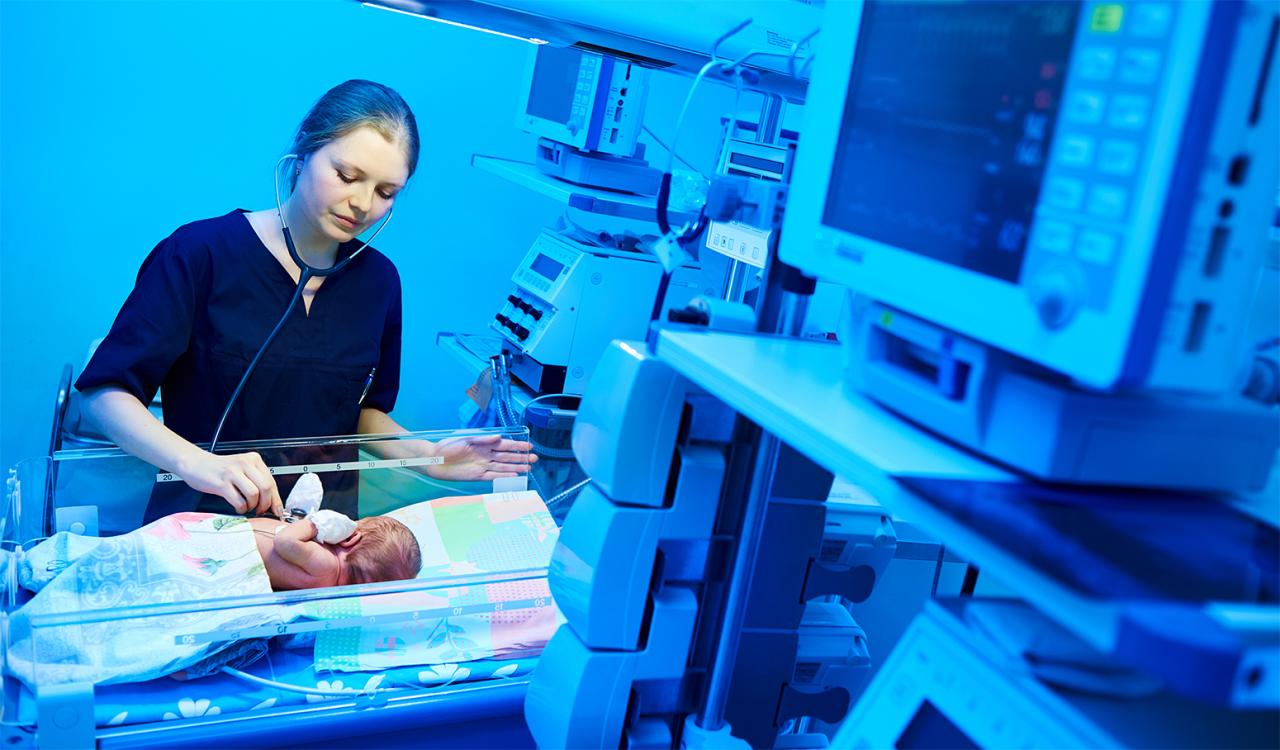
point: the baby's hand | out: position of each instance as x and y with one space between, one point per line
332 527
306 495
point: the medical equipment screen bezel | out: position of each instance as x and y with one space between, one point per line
1000 313
582 128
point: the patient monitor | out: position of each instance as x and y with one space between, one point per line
590 101
1053 215
588 109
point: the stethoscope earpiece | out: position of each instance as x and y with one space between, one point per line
308 270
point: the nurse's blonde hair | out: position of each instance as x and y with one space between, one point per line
351 105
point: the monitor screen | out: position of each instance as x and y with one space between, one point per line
947 126
555 82
930 729
546 267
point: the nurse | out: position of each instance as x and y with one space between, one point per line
209 294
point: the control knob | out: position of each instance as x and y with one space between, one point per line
1057 291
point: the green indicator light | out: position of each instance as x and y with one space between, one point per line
1106 19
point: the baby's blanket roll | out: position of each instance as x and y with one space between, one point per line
186 557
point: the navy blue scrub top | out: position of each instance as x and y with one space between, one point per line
206 298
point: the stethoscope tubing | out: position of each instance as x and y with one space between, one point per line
306 273
288 236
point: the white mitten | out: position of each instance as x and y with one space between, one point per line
331 526
305 496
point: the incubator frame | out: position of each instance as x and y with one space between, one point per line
447 695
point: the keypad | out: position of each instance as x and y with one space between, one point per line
1118 157
1085 107
1064 192
1107 202
1129 112
1140 66
1150 20
1098 248
1109 104
1096 63
1075 150
1054 236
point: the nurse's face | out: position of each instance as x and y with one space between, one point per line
350 183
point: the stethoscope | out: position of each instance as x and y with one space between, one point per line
306 272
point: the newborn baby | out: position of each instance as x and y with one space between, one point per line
319 548
325 548
378 549
183 557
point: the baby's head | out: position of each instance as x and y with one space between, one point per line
386 551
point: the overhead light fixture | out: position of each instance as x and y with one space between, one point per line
530 39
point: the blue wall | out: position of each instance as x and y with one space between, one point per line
122 121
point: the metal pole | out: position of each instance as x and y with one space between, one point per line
770 125
794 309
735 281
711 715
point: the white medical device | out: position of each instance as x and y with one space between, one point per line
584 99
951 683
1061 257
570 300
832 648
588 110
763 161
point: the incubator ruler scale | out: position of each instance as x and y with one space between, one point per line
385 463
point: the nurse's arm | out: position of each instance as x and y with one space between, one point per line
242 480
472 458
377 422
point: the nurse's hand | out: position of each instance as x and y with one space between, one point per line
241 479
482 458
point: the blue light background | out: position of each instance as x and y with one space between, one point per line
124 120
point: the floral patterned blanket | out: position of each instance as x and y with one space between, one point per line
186 557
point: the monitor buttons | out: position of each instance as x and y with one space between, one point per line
1118 157
1096 248
1150 20
1106 18
1129 112
1139 66
1064 193
1085 107
1096 63
1053 236
1075 150
1108 202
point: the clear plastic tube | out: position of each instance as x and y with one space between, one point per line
562 495
311 691
506 412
